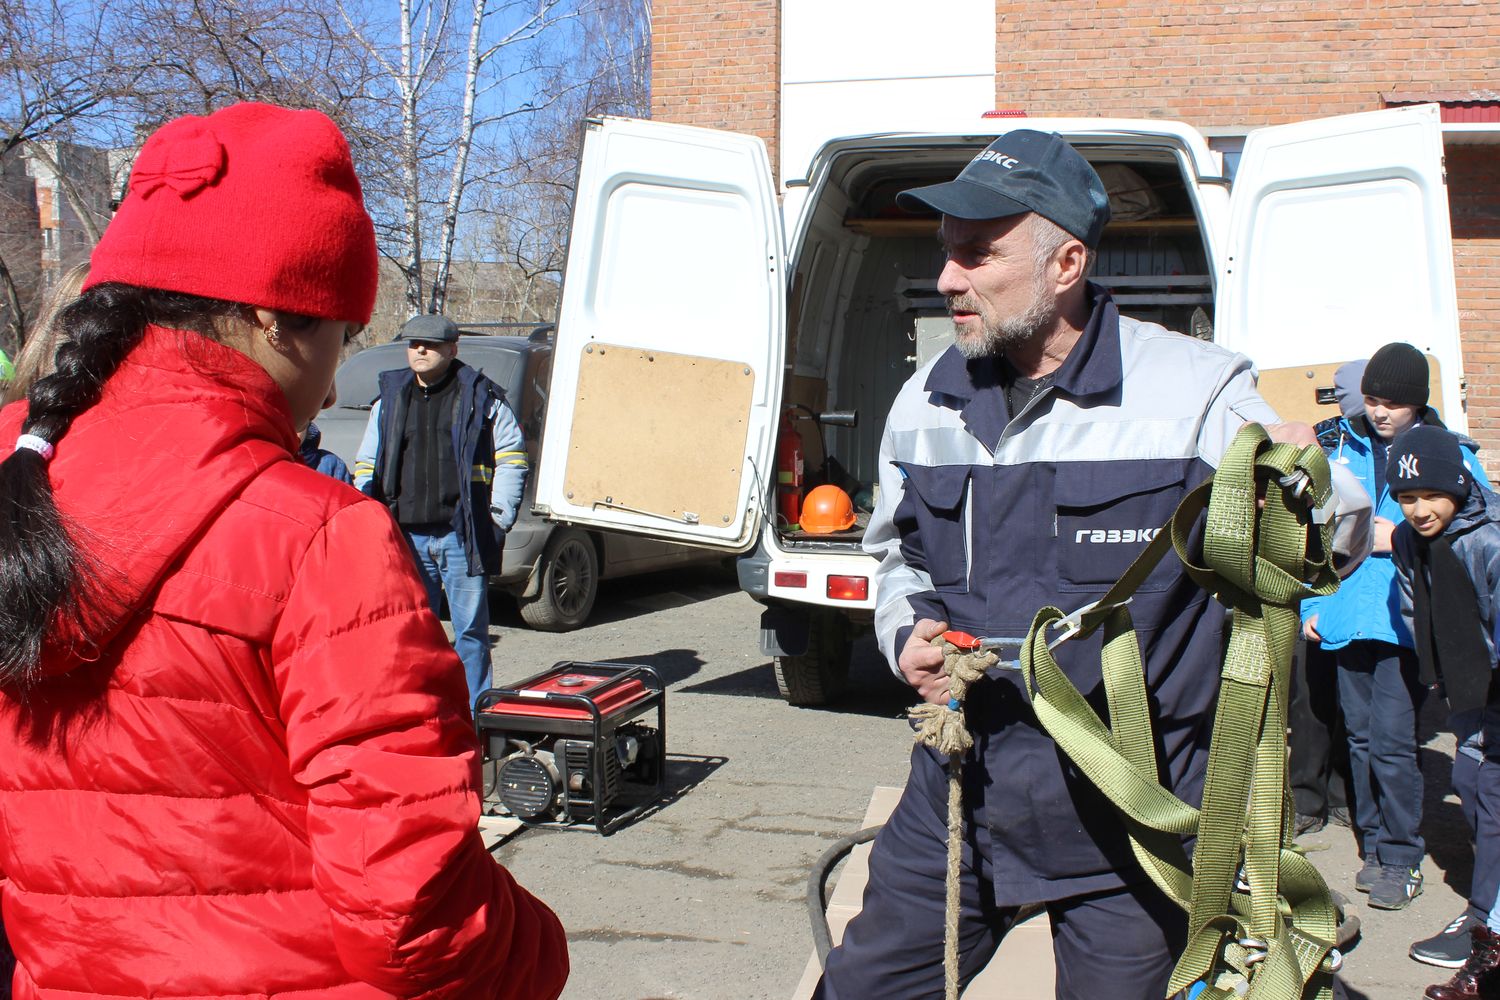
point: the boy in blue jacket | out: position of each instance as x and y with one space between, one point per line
1447 560
1362 625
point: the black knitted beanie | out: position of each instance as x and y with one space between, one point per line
1397 372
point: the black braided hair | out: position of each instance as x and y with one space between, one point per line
44 576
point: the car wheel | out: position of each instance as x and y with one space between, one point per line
818 676
570 583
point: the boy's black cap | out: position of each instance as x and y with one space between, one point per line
432 328
1023 171
1427 458
1397 372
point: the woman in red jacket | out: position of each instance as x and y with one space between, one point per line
238 753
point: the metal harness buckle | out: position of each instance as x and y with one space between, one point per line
1072 623
1255 950
1297 481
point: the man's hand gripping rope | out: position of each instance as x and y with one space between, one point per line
941 727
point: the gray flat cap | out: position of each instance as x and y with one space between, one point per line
432 328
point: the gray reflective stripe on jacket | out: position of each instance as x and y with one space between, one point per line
982 520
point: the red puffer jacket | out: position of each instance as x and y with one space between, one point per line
261 779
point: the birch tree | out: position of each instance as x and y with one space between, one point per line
608 72
454 71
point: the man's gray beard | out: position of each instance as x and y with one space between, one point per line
1011 331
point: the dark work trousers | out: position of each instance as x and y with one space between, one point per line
1319 768
1476 779
1380 695
1119 944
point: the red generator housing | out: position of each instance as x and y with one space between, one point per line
575 745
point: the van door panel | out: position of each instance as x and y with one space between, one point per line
1339 242
666 376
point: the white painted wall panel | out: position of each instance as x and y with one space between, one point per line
855 66
830 40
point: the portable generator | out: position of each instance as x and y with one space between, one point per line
574 745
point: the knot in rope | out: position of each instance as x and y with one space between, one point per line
942 727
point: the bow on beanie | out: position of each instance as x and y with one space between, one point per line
254 204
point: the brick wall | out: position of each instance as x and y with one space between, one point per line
717 64
1225 64
1474 203
1237 63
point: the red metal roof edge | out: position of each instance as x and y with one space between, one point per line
1441 97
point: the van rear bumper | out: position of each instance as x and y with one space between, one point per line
768 575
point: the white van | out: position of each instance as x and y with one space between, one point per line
695 316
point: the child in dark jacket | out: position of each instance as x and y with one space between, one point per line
1447 557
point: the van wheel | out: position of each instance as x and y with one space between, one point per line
818 676
570 583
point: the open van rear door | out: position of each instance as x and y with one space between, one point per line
662 414
1339 242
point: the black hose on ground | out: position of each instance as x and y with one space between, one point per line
817 887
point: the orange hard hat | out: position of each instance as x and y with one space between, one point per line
827 509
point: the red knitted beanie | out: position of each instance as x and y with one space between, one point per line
254 204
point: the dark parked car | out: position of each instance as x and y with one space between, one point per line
553 570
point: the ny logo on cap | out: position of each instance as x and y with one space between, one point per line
1408 467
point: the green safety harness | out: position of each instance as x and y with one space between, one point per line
1261 924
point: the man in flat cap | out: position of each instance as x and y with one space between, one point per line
444 452
1025 467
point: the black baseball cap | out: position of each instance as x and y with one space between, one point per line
1023 171
431 328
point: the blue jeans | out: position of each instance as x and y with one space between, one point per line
1380 696
445 570
1476 779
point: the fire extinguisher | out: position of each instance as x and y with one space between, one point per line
789 470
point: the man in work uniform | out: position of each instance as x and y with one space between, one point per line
1027 466
444 452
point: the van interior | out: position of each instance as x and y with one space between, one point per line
864 312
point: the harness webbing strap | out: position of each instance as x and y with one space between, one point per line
1258 911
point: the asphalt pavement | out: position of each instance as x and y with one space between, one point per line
704 896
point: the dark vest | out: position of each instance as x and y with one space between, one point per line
473 453
430 480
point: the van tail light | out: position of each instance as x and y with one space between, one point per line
790 579
848 588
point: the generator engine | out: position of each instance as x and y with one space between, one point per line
574 745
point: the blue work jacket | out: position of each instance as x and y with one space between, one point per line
984 519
